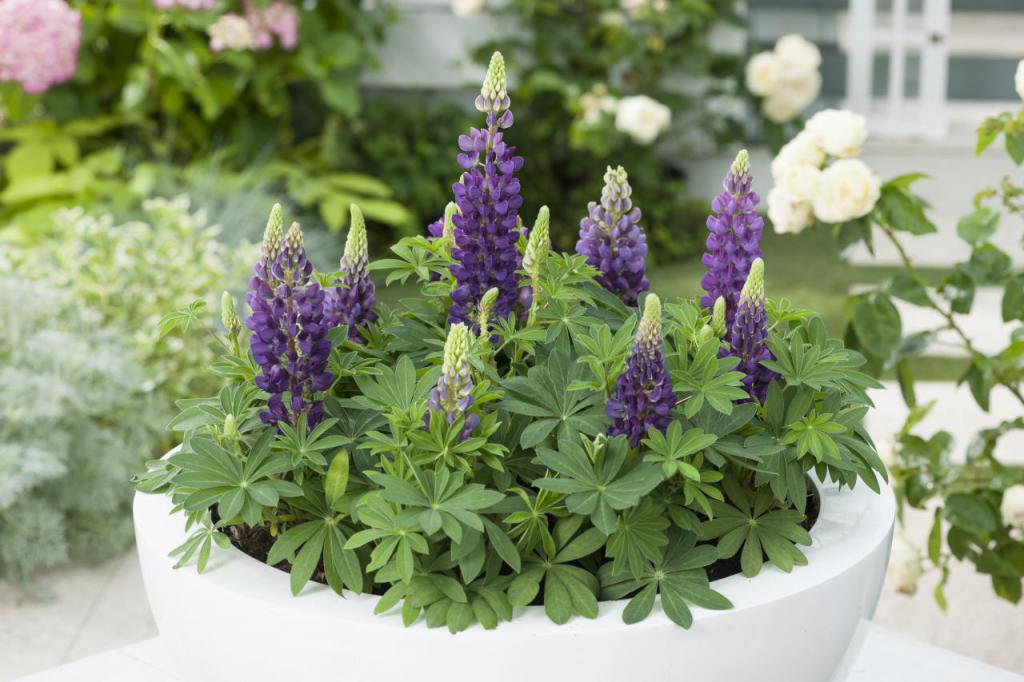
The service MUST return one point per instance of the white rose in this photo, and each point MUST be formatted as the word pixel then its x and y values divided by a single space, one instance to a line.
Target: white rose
pixel 467 8
pixel 1012 507
pixel 802 150
pixel 764 71
pixel 797 54
pixel 801 181
pixel 1018 79
pixel 848 190
pixel 642 118
pixel 905 565
pixel 792 95
pixel 788 214
pixel 839 132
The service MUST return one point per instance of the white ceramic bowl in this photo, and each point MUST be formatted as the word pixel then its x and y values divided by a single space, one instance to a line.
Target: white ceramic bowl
pixel 238 620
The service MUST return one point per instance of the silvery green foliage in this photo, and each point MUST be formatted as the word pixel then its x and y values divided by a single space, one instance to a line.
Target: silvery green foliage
pixel 133 273
pixel 74 426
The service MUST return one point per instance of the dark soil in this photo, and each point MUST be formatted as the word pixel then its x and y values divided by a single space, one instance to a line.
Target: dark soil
pixel 257 541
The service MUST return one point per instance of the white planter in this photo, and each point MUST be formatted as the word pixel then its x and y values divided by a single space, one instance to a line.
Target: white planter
pixel 239 622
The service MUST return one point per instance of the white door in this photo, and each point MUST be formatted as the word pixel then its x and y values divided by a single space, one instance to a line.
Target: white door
pixel 910 36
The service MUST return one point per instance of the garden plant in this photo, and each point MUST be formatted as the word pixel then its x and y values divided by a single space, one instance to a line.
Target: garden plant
pixel 977 500
pixel 639 81
pixel 536 427
pixel 104 100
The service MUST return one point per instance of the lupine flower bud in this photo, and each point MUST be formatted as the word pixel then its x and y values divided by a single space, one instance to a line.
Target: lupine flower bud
pixel 229 316
pixel 749 332
pixel 289 340
pixel 39 41
pixel 643 392
pixel 718 318
pixel 612 240
pixel 486 306
pixel 452 395
pixel 539 244
pixel 486 227
pixel 273 235
pixel 443 227
pixel 230 432
pixel 351 302
pixel 734 240
pixel 493 96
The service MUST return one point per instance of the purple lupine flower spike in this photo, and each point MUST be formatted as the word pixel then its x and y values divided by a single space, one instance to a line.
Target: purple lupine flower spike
pixel 487 225
pixel 452 396
pixel 352 301
pixel 613 241
pixel 748 334
pixel 734 240
pixel 289 340
pixel 643 392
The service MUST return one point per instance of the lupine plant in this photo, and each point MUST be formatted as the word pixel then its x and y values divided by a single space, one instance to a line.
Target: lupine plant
pixel 473 450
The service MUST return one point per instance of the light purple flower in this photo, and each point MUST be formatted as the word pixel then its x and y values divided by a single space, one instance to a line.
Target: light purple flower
pixel 452 396
pixel 487 225
pixel 749 332
pixel 643 397
pixel 351 302
pixel 612 240
pixel 734 240
pixel 289 340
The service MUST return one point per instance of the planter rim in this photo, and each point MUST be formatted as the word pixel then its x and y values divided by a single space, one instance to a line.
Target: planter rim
pixel 850 525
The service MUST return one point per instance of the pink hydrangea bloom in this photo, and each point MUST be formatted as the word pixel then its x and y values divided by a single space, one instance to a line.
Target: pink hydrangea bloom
pixel 39 41
pixel 186 4
pixel 276 19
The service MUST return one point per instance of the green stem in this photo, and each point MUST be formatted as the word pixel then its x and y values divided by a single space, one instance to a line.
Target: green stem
pixel 946 314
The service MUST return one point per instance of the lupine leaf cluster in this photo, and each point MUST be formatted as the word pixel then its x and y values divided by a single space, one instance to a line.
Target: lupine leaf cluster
pixel 559 451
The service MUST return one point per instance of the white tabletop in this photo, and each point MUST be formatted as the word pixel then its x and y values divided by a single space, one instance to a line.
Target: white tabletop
pixel 886 657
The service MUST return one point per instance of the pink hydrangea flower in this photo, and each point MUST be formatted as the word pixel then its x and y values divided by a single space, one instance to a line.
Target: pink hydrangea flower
pixel 193 5
pixel 39 41
pixel 276 19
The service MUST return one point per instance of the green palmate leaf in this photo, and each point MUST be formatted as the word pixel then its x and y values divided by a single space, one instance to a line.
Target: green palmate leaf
pixel 708 378
pixel 216 477
pixel 751 524
pixel 568 590
pixel 676 573
pixel 639 539
pixel 544 395
pixel 672 449
pixel 597 483
pixel 440 500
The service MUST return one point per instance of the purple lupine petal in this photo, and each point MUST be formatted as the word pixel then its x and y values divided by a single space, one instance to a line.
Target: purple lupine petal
pixel 643 398
pixel 289 330
pixel 487 225
pixel 612 240
pixel 734 238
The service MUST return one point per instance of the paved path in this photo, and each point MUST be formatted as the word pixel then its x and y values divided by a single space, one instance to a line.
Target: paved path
pixel 886 657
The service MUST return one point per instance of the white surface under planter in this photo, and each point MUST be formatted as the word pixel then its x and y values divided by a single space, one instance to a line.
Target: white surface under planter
pixel 238 620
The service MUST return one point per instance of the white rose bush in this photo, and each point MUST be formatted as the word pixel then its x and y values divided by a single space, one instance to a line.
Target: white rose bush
pixel 785 81
pixel 821 182
pixel 818 177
